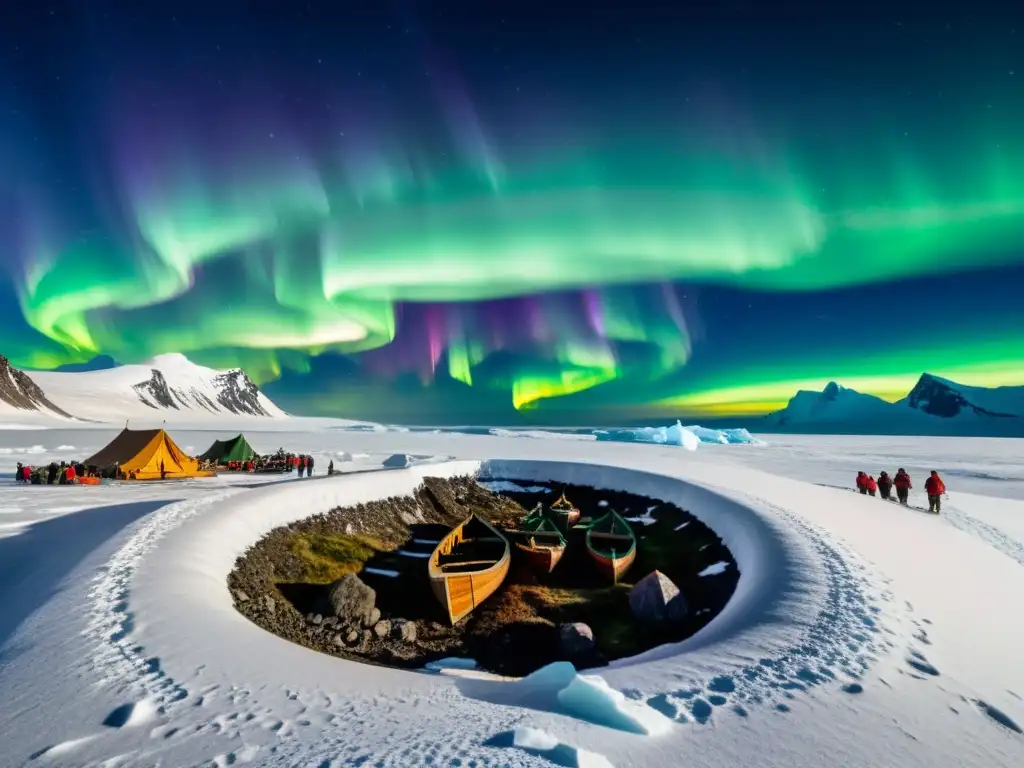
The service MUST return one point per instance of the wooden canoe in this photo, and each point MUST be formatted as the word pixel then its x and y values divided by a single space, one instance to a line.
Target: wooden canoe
pixel 540 541
pixel 564 510
pixel 467 566
pixel 612 545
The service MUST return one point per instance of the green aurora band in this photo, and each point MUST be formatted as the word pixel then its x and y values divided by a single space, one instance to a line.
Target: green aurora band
pixel 268 267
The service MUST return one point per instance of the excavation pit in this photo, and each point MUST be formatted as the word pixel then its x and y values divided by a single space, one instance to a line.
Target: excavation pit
pixel 573 613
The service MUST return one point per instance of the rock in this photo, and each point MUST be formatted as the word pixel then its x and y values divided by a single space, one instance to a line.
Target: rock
pixel 268 601
pixel 331 621
pixel 382 629
pixel 318 619
pixel 351 600
pixel 352 637
pixel 367 637
pixel 339 640
pixel 575 639
pixel 404 631
pixel 373 618
pixel 241 596
pixel 656 600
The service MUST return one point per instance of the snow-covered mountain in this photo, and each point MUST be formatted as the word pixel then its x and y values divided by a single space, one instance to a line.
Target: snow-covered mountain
pixel 935 406
pixel 18 392
pixel 947 399
pixel 166 386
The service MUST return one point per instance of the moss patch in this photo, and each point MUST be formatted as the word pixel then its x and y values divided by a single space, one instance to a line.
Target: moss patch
pixel 326 557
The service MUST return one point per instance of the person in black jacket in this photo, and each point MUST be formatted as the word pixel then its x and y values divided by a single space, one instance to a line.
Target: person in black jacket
pixel 309 466
pixel 884 485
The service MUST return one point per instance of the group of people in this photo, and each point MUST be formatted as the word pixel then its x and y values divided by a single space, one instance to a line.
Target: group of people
pixel 884 485
pixel 279 462
pixel 64 473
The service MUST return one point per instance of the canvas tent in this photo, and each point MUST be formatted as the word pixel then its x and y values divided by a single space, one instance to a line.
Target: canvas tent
pixel 223 451
pixel 139 453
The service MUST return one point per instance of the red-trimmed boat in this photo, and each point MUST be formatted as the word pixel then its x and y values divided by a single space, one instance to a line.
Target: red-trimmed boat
pixel 540 541
pixel 612 545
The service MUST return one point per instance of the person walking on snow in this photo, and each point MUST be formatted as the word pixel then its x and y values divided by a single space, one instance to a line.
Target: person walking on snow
pixel 903 485
pixel 309 466
pixel 884 485
pixel 862 482
pixel 70 474
pixel 871 485
pixel 934 487
pixel 302 465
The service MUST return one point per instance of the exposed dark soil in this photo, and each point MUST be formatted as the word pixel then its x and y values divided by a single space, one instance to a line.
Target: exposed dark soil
pixel 281 582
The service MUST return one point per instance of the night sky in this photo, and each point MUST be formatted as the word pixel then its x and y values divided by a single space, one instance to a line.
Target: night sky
pixel 510 212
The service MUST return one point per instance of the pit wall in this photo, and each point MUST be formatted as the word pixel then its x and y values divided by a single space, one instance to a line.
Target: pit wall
pixel 193 562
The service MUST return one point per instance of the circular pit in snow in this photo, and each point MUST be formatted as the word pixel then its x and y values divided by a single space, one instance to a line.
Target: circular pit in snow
pixel 283 581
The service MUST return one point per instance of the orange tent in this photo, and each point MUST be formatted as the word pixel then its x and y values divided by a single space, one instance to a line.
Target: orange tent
pixel 140 453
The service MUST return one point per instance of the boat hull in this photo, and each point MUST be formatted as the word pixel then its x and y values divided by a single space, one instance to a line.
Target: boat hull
pixel 611 544
pixel 541 559
pixel 460 593
pixel 613 568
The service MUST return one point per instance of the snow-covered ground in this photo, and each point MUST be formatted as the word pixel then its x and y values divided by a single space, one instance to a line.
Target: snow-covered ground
pixel 860 633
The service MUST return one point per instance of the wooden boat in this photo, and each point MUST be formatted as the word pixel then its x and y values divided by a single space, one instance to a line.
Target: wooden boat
pixel 564 509
pixel 612 544
pixel 467 566
pixel 539 539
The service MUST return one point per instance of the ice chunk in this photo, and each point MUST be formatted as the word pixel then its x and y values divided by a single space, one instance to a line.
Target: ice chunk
pixel 714 569
pixel 590 698
pixel 533 738
pixel 453 662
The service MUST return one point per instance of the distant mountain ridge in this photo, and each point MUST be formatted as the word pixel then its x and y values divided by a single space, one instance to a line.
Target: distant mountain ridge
pixel 168 386
pixel 935 406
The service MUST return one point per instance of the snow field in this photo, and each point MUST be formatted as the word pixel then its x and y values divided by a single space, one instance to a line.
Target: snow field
pixel 838 648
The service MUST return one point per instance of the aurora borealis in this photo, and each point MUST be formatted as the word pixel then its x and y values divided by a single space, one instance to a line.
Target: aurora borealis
pixel 443 213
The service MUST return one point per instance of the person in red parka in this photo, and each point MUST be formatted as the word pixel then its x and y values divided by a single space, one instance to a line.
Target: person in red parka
pixel 872 485
pixel 903 485
pixel 862 482
pixel 70 474
pixel 934 487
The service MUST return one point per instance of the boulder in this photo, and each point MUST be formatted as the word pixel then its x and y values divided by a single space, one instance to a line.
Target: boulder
pixel 339 640
pixel 317 619
pixel 268 601
pixel 405 631
pixel 382 628
pixel 656 600
pixel 351 600
pixel 575 639
pixel 241 596
pixel 352 637
pixel 373 618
